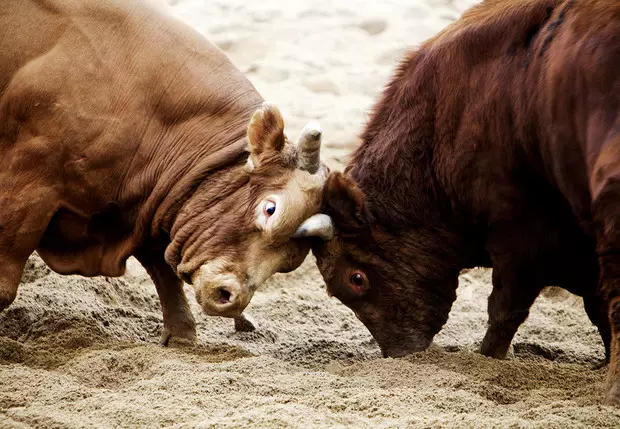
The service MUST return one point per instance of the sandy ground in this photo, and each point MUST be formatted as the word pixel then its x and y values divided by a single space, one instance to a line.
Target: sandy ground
pixel 78 352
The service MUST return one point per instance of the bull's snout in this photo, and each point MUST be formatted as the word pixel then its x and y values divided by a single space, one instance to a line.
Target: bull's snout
pixel 402 348
pixel 225 297
pixel 228 300
pixel 221 294
pixel 395 343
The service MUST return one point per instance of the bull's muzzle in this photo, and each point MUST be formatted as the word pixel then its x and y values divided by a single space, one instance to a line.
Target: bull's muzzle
pixel 396 349
pixel 221 294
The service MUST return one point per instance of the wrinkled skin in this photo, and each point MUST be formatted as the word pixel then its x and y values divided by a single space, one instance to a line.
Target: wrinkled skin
pixel 244 245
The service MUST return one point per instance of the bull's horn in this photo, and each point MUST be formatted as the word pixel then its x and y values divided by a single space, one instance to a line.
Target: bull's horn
pixel 309 145
pixel 320 225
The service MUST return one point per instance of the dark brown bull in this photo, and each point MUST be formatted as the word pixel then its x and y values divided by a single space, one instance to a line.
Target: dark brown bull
pixel 123 132
pixel 497 143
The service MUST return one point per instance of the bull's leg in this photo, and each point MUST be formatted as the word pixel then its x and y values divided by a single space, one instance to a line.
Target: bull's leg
pixel 509 306
pixel 13 257
pixel 245 323
pixel 596 308
pixel 178 319
pixel 25 211
pixel 613 374
pixel 605 191
pixel 606 210
pixel 10 275
pixel 29 197
pixel 610 277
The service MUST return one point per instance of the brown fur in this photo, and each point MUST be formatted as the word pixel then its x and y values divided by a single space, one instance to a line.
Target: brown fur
pixel 495 144
pixel 124 132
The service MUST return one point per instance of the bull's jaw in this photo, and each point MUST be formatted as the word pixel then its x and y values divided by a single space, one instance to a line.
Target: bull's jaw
pixel 220 292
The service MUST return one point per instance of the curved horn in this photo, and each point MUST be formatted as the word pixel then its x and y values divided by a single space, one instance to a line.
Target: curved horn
pixel 309 145
pixel 320 225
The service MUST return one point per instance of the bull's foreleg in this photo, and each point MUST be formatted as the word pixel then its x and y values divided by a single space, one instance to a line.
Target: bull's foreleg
pixel 509 306
pixel 610 278
pixel 606 211
pixel 605 191
pixel 596 308
pixel 10 276
pixel 26 208
pixel 613 374
pixel 179 322
pixel 245 323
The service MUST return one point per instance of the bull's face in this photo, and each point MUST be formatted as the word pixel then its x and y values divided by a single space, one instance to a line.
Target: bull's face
pixel 257 220
pixel 390 282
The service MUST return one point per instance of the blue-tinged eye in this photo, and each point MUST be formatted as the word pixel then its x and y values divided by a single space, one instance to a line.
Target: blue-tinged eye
pixel 270 208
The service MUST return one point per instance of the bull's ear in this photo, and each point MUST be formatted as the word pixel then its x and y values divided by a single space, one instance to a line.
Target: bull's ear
pixel 265 132
pixel 344 201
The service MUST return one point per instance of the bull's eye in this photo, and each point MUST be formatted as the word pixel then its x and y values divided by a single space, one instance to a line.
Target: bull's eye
pixel 270 208
pixel 357 281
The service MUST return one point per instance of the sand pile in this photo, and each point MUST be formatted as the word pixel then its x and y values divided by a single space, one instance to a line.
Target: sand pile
pixel 77 352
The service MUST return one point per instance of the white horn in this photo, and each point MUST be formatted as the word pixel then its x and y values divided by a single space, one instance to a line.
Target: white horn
pixel 309 145
pixel 320 225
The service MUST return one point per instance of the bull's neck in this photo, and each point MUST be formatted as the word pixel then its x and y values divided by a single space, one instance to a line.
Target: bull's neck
pixel 187 157
pixel 455 109
pixel 407 201
pixel 402 163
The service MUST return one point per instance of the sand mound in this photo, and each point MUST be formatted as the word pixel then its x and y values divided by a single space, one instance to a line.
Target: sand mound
pixel 77 352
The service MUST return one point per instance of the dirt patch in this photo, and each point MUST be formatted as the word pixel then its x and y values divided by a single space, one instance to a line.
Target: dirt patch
pixel 93 361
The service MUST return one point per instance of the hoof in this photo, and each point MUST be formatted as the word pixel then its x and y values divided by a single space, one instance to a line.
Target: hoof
pixel 613 394
pixel 4 305
pixel 600 364
pixel 500 352
pixel 5 301
pixel 168 338
pixel 612 400
pixel 180 343
pixel 245 323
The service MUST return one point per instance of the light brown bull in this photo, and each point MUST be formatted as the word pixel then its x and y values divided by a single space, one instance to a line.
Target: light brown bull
pixel 125 132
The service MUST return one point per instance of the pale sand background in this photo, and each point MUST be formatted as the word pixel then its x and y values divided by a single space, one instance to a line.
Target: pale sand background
pixel 78 352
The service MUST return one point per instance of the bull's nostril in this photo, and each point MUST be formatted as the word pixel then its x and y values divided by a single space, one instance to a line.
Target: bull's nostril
pixel 225 296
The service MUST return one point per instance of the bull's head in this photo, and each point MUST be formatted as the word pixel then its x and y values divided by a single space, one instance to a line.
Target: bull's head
pixel 397 283
pixel 255 220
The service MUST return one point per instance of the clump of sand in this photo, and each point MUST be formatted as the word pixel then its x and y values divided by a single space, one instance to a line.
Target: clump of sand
pixel 78 352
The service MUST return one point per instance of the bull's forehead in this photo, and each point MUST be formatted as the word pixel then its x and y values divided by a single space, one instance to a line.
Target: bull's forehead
pixel 306 189
pixel 300 198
